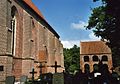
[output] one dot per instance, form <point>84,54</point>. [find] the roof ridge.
<point>34,8</point>
<point>32,5</point>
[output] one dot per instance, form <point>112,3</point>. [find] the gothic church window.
<point>12,32</point>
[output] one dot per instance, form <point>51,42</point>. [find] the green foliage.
<point>105,23</point>
<point>72,59</point>
<point>97,18</point>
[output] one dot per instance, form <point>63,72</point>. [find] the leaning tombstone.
<point>10,80</point>
<point>58,78</point>
<point>23,79</point>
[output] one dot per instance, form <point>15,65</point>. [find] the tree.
<point>105,23</point>
<point>72,59</point>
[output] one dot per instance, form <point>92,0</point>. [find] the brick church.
<point>92,52</point>
<point>26,41</point>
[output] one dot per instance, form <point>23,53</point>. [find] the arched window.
<point>86,58</point>
<point>86,68</point>
<point>95,67</point>
<point>14,26</point>
<point>11,34</point>
<point>104,58</point>
<point>95,58</point>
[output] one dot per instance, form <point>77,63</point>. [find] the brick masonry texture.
<point>94,48</point>
<point>35,41</point>
<point>3,26</point>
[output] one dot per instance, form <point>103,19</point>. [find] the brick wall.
<point>51,51</point>
<point>62,57</point>
<point>27,66</point>
<point>57,53</point>
<point>6,62</point>
<point>27,40</point>
<point>3,26</point>
<point>5,59</point>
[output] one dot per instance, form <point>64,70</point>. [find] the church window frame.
<point>14,34</point>
<point>95,58</point>
<point>86,58</point>
<point>12,30</point>
<point>104,58</point>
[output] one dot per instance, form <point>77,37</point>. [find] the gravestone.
<point>56,66</point>
<point>58,78</point>
<point>41,66</point>
<point>23,79</point>
<point>10,80</point>
<point>33,72</point>
<point>46,78</point>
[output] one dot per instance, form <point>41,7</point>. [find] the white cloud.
<point>79,25</point>
<point>70,44</point>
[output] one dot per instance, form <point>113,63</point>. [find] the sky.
<point>69,18</point>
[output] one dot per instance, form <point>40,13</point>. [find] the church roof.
<point>94,47</point>
<point>30,3</point>
<point>35,9</point>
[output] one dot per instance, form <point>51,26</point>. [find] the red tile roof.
<point>33,7</point>
<point>30,4</point>
<point>92,47</point>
